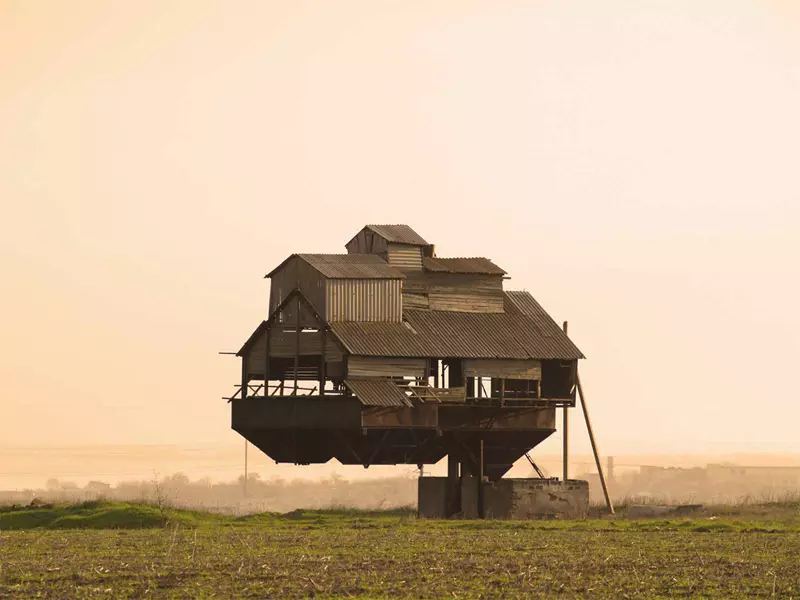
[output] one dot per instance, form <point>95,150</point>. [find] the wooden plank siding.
<point>363,366</point>
<point>454,292</point>
<point>282,345</point>
<point>404,256</point>
<point>503,369</point>
<point>364,300</point>
<point>367,242</point>
<point>297,273</point>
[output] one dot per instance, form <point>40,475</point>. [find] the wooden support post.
<point>481,511</point>
<point>296,347</point>
<point>245,468</point>
<point>266,361</point>
<point>565,428</point>
<point>322,375</point>
<point>502,391</point>
<point>244,377</point>
<point>453,495</point>
<point>594,447</point>
<point>435,369</point>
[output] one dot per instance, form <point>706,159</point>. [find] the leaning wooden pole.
<point>565,429</point>
<point>594,446</point>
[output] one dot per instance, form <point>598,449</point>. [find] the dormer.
<point>399,245</point>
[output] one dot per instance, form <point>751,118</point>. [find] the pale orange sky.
<point>633,164</point>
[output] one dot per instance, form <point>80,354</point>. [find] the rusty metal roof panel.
<point>379,339</point>
<point>377,392</point>
<point>347,266</point>
<point>477,265</point>
<point>447,334</point>
<point>523,303</point>
<point>398,234</point>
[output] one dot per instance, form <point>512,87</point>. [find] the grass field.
<point>124,551</point>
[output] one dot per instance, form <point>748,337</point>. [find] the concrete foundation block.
<point>508,498</point>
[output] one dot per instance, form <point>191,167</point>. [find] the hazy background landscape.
<point>633,165</point>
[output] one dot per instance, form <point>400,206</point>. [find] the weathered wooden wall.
<point>297,273</point>
<point>504,369</point>
<point>282,345</point>
<point>405,257</point>
<point>366,242</point>
<point>454,292</point>
<point>364,300</point>
<point>362,366</point>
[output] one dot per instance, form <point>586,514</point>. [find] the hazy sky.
<point>634,164</point>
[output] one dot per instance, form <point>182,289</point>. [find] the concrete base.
<point>507,498</point>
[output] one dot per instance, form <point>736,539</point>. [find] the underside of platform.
<point>313,430</point>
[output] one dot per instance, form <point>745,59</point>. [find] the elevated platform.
<point>316,429</point>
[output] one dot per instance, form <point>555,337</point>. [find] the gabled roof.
<point>346,266</point>
<point>518,334</point>
<point>469,266</point>
<point>398,234</point>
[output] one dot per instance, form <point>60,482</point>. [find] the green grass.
<point>117,550</point>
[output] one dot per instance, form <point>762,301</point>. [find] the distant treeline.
<point>236,497</point>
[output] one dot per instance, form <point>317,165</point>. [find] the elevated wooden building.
<point>390,354</point>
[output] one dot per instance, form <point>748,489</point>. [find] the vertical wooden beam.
<point>502,391</point>
<point>322,374</point>
<point>296,346</point>
<point>565,428</point>
<point>266,359</point>
<point>245,468</point>
<point>594,448</point>
<point>452,499</point>
<point>244,377</point>
<point>481,508</point>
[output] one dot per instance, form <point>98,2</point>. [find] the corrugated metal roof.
<point>377,392</point>
<point>521,302</point>
<point>379,339</point>
<point>473,265</point>
<point>480,335</point>
<point>347,266</point>
<point>443,334</point>
<point>399,234</point>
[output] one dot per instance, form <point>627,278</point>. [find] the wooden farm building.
<point>390,354</point>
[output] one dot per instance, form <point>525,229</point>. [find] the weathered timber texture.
<point>367,241</point>
<point>283,342</point>
<point>404,256</point>
<point>454,292</point>
<point>295,273</point>
<point>364,366</point>
<point>505,369</point>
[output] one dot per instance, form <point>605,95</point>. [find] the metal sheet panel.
<point>456,335</point>
<point>370,300</point>
<point>377,392</point>
<point>346,266</point>
<point>477,265</point>
<point>399,234</point>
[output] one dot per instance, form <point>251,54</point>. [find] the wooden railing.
<point>426,393</point>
